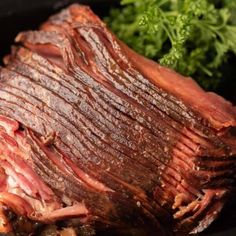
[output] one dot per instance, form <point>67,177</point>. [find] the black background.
<point>18,15</point>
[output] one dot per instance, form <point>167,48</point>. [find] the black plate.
<point>18,15</point>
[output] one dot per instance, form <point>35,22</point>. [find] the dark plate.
<point>18,15</point>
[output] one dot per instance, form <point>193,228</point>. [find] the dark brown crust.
<point>154,155</point>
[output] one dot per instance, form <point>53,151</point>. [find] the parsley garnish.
<point>194,37</point>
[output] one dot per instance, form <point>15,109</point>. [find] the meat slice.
<point>91,130</point>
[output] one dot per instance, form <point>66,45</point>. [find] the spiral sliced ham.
<point>92,130</point>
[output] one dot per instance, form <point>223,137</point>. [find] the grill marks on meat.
<point>108,135</point>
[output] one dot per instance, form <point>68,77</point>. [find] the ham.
<point>91,130</point>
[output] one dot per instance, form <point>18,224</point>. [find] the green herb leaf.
<point>192,37</point>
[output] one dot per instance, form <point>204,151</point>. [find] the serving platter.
<point>18,15</point>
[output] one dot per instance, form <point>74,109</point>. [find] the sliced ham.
<point>91,130</point>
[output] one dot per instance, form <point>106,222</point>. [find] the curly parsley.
<point>193,37</point>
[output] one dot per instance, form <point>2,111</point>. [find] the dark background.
<point>18,15</point>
